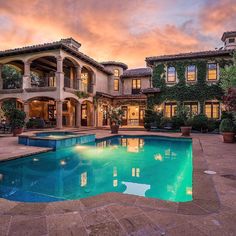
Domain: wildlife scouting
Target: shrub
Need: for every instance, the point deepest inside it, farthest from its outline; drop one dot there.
(177, 122)
(199, 122)
(165, 121)
(152, 119)
(212, 124)
(227, 125)
(35, 123)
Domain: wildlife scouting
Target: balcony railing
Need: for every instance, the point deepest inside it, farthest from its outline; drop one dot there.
(43, 82)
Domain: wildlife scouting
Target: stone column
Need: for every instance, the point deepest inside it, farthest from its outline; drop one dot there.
(26, 110)
(94, 83)
(59, 77)
(78, 115)
(26, 80)
(59, 113)
(1, 80)
(78, 77)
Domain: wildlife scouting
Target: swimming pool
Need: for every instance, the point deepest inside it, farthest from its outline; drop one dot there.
(148, 166)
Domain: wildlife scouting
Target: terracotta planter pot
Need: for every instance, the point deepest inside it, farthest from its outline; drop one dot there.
(114, 129)
(228, 137)
(186, 130)
(17, 131)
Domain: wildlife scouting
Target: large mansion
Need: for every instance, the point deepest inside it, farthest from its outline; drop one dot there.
(65, 87)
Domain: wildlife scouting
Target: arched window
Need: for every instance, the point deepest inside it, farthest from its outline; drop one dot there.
(116, 73)
(171, 74)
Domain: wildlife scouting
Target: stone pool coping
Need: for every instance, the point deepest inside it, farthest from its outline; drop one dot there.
(202, 203)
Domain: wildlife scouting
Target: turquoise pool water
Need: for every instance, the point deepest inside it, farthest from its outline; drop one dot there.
(147, 166)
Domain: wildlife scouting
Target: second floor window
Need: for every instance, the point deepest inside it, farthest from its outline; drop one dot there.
(116, 73)
(212, 71)
(191, 73)
(116, 84)
(136, 84)
(171, 74)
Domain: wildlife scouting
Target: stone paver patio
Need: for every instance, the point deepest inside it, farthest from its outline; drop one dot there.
(212, 212)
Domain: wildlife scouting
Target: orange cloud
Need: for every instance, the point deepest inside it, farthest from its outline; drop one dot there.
(112, 30)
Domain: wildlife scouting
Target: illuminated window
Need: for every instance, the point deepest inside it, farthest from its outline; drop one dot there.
(84, 82)
(212, 110)
(136, 84)
(192, 106)
(171, 74)
(170, 109)
(83, 179)
(191, 73)
(116, 73)
(116, 84)
(135, 172)
(212, 71)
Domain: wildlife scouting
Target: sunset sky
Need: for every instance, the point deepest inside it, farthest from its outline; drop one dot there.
(120, 30)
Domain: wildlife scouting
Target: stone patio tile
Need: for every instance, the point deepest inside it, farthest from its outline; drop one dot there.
(125, 199)
(166, 220)
(66, 224)
(63, 207)
(96, 201)
(139, 225)
(208, 225)
(189, 208)
(186, 229)
(96, 216)
(28, 225)
(120, 211)
(208, 205)
(32, 209)
(111, 228)
(4, 224)
(6, 206)
(156, 204)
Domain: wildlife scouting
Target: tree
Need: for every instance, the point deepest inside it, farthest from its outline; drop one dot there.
(12, 77)
(228, 84)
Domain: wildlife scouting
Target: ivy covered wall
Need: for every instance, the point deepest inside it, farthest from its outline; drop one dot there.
(200, 91)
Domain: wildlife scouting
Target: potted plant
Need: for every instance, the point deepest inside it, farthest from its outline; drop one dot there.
(184, 117)
(115, 116)
(227, 129)
(15, 117)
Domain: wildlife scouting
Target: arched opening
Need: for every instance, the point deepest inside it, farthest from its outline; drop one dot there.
(12, 74)
(70, 74)
(87, 114)
(43, 72)
(43, 109)
(87, 80)
(69, 112)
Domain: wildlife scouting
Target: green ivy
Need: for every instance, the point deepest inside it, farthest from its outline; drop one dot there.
(182, 91)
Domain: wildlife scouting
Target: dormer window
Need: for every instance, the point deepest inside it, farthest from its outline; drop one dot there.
(231, 40)
(116, 73)
(212, 71)
(191, 73)
(171, 74)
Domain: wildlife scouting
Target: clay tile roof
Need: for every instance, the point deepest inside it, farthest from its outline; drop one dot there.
(151, 90)
(63, 44)
(190, 55)
(228, 34)
(139, 72)
(115, 63)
